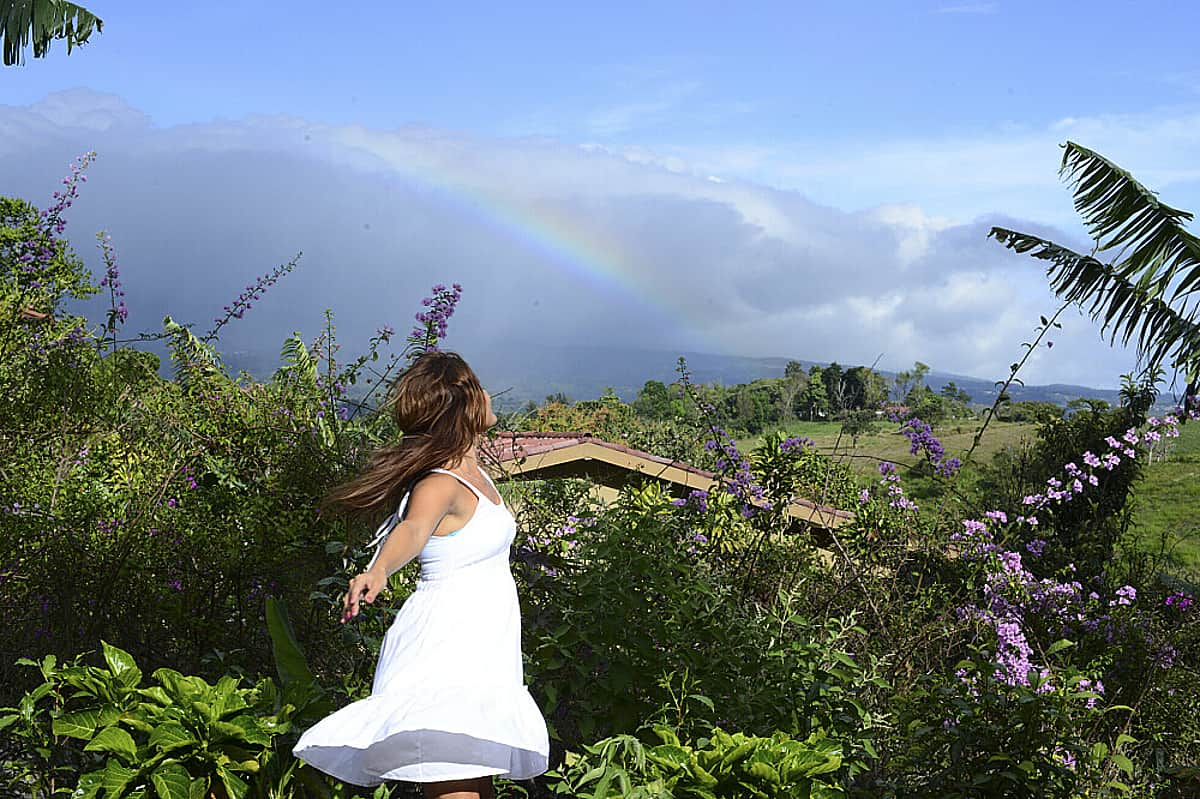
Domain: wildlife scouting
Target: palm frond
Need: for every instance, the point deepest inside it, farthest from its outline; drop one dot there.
(1125, 309)
(39, 22)
(1153, 247)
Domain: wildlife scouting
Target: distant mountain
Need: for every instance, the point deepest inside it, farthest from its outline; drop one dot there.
(521, 374)
(585, 372)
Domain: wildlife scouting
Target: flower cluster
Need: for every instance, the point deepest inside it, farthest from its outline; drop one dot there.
(53, 216)
(118, 312)
(890, 480)
(1179, 600)
(560, 541)
(1075, 478)
(189, 476)
(736, 467)
(38, 252)
(251, 294)
(432, 323)
(796, 444)
(921, 438)
(698, 499)
(1012, 593)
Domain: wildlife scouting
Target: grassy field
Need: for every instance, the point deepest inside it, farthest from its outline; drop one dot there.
(1167, 510)
(1167, 501)
(886, 444)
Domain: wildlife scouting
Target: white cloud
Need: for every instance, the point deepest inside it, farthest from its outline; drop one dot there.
(571, 243)
(1008, 168)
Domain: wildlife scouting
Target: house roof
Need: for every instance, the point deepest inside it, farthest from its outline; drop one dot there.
(529, 452)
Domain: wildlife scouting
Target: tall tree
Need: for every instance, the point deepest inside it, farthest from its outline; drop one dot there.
(40, 22)
(909, 380)
(813, 401)
(832, 376)
(864, 388)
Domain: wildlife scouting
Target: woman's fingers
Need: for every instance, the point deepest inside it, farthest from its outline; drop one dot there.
(360, 590)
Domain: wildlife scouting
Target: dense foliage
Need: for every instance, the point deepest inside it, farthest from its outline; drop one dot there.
(171, 591)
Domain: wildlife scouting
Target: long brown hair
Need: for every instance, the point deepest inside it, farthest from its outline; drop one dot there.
(441, 409)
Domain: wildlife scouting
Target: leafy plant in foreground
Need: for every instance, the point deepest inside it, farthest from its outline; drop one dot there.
(723, 766)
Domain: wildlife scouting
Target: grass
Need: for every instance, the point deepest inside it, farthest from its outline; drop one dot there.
(1167, 507)
(886, 444)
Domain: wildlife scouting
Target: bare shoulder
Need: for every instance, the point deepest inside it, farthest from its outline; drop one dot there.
(434, 495)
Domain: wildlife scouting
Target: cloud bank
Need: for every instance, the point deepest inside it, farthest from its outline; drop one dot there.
(552, 241)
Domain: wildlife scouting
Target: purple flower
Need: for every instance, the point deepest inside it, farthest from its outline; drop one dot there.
(433, 325)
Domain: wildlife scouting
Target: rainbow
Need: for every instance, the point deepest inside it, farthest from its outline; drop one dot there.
(599, 262)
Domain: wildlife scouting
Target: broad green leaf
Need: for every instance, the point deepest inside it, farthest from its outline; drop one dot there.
(289, 660)
(226, 730)
(764, 772)
(234, 785)
(115, 777)
(80, 724)
(1123, 763)
(228, 698)
(198, 788)
(670, 756)
(1059, 646)
(172, 781)
(114, 740)
(170, 736)
(156, 694)
(122, 665)
(89, 785)
(738, 753)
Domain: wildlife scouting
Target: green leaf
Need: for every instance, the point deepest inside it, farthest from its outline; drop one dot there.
(39, 22)
(89, 785)
(122, 665)
(1059, 646)
(244, 729)
(765, 772)
(739, 753)
(234, 785)
(172, 781)
(669, 756)
(156, 694)
(80, 724)
(114, 740)
(289, 658)
(171, 735)
(198, 788)
(115, 777)
(1123, 763)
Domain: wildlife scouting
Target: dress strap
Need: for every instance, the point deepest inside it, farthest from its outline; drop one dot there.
(466, 482)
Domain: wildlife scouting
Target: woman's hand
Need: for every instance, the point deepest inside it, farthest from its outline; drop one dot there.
(363, 588)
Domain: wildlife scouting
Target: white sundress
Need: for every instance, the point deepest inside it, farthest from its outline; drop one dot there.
(448, 701)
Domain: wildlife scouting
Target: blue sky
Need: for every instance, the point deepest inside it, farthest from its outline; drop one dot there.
(923, 118)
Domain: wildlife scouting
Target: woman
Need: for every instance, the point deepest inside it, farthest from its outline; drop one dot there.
(448, 706)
